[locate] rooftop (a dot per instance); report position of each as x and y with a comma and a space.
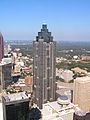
79, 70
4, 63
63, 97
85, 79
44, 34
55, 111
15, 97
57, 107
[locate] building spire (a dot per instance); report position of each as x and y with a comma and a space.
44, 34
44, 26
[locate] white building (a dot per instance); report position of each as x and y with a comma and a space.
61, 109
66, 75
1, 111
6, 60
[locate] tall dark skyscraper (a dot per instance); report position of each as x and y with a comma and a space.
1, 47
44, 67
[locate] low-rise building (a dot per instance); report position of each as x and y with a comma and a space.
61, 109
29, 80
79, 70
85, 57
23, 85
66, 75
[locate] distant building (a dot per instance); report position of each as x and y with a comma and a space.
59, 72
29, 80
75, 57
85, 57
24, 85
1, 47
17, 69
5, 74
67, 75
7, 49
44, 73
82, 93
79, 70
27, 70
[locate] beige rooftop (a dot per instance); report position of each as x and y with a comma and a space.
84, 79
79, 70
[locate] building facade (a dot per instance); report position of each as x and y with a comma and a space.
5, 75
44, 73
1, 47
82, 93
14, 106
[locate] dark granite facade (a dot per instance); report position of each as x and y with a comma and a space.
44, 69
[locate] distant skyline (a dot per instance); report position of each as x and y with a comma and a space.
66, 19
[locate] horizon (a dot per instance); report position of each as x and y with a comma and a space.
67, 20
68, 41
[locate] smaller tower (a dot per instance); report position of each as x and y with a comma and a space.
82, 93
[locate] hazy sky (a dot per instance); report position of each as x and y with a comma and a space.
66, 19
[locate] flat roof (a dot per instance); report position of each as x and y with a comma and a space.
15, 97
84, 79
57, 107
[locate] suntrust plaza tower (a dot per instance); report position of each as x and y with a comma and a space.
44, 69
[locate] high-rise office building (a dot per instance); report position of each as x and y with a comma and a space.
1, 47
5, 75
82, 93
44, 49
14, 106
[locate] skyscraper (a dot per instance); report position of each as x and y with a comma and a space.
5, 75
1, 47
44, 67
